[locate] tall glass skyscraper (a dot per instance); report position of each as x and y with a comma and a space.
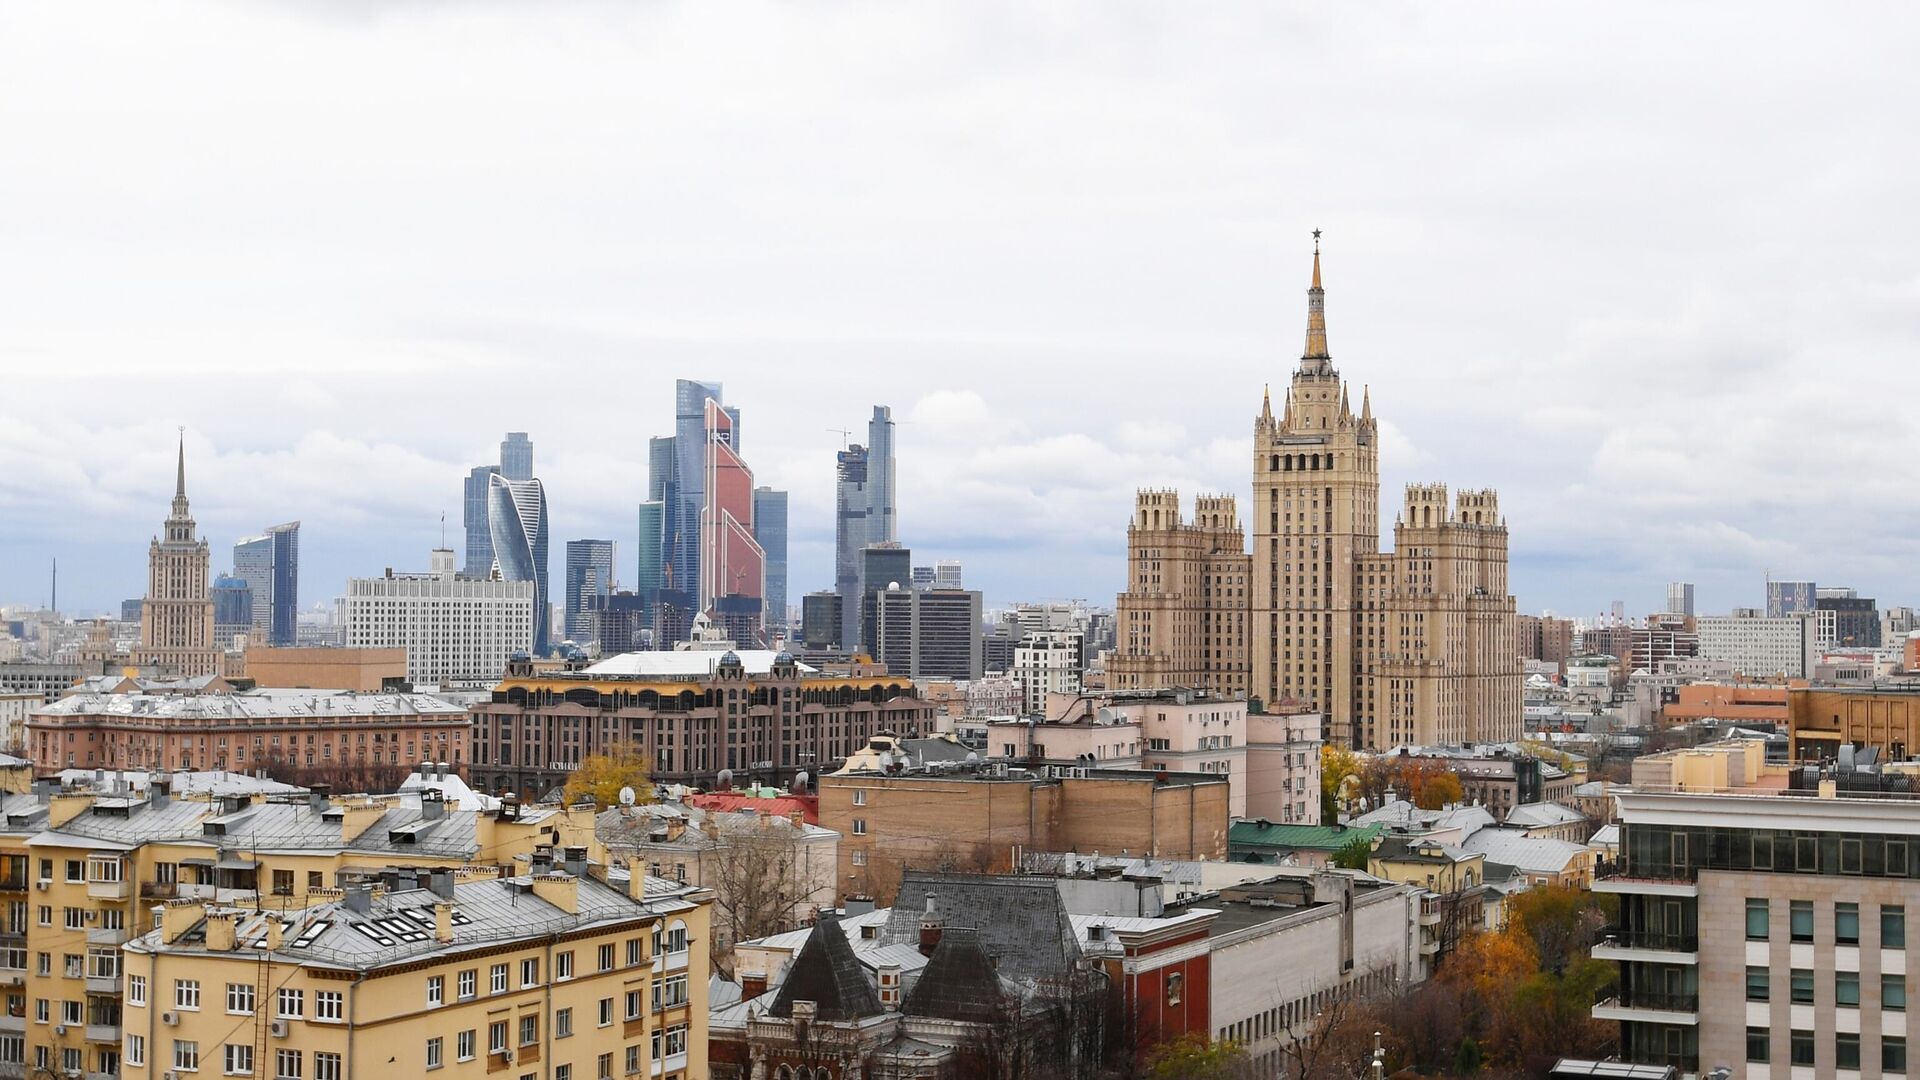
517, 517
770, 529
516, 456
688, 481
864, 515
474, 517
270, 565
589, 578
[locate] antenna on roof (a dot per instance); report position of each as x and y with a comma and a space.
626, 796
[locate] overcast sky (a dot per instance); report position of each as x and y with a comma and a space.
1651, 270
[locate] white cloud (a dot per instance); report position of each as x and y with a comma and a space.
1646, 269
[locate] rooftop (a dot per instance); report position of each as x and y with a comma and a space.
264, 704
685, 663
1261, 833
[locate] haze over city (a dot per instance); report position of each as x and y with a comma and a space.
348, 245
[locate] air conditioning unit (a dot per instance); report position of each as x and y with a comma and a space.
42, 884
279, 1029
170, 1018
171, 1075
59, 1029
73, 1074
92, 915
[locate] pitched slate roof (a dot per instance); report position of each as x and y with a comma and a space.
959, 982
1021, 922
827, 974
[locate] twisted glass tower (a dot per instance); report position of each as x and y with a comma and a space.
517, 521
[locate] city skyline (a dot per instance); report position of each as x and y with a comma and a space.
1634, 374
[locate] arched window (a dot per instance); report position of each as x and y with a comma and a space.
783, 1073
1274, 465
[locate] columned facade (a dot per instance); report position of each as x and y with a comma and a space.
176, 618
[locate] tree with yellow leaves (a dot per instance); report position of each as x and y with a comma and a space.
599, 778
1337, 765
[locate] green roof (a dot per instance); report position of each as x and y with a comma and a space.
1253, 834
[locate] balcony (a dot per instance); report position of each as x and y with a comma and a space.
108, 890
12, 1025
100, 984
1648, 1007
159, 890
13, 883
1628, 885
103, 1033
1638, 946
109, 937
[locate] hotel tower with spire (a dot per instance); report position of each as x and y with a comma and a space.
1417, 645
176, 619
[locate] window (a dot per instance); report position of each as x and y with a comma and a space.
283, 883
633, 1005
669, 992
326, 1066
1846, 924
530, 971
1801, 1045
606, 1012
434, 1050
239, 1059
1802, 920
859, 826
1756, 919
76, 870
1846, 1050
497, 1037
436, 990
466, 981
328, 1005
563, 1072
136, 1049
186, 1055
136, 989
240, 998
1893, 1054
1176, 987
859, 797
563, 965
1759, 983
603, 1068
635, 956
290, 1004
499, 978
41, 1010
286, 1064
633, 1059
186, 993
1757, 1044
1893, 927
1802, 983
1893, 992
75, 918
1846, 989
529, 1030
563, 1018
463, 1046
606, 957
676, 1039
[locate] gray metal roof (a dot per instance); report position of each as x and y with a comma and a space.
398, 927
254, 705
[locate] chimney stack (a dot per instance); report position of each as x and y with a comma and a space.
443, 922
931, 924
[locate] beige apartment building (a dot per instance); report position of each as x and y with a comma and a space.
84, 871
559, 974
1183, 619
327, 667
1765, 932
1414, 645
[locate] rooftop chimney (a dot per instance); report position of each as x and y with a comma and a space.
220, 931
443, 922
317, 800
360, 898
930, 927
441, 882
576, 861
752, 984
433, 805
637, 877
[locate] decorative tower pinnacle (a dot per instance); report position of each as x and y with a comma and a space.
179, 524
1266, 405
1316, 359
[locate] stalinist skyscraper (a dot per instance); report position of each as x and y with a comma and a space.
176, 619
1416, 645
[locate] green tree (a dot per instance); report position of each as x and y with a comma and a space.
1192, 1057
1466, 1061
1355, 855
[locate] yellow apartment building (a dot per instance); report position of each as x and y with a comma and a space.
566, 972
82, 873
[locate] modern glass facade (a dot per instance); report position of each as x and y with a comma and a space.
232, 607
253, 564
882, 526
517, 517
516, 456
849, 537
473, 517
283, 623
589, 578
770, 529
689, 460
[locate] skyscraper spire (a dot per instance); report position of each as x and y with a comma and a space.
1266, 404
1316, 357
180, 479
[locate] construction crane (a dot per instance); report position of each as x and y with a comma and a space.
845, 436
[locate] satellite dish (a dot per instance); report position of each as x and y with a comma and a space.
626, 796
